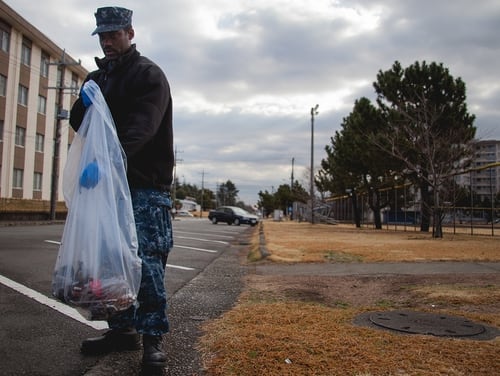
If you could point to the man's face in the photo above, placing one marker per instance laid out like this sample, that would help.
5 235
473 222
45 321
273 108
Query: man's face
116 43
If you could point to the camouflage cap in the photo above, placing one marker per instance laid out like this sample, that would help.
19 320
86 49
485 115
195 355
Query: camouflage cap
112 19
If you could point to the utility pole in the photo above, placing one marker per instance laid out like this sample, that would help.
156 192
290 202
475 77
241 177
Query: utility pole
202 188
174 177
216 194
314 111
61 115
291 192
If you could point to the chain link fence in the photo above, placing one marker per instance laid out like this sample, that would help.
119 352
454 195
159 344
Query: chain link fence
468 206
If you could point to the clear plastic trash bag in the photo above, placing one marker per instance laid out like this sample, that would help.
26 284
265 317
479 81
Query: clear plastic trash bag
97 270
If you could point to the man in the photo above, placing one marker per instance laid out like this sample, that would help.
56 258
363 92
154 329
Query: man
138 95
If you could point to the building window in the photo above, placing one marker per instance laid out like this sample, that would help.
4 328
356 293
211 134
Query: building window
20 136
26 52
18 178
4 40
39 142
42 104
44 65
59 75
74 84
37 181
3 85
22 97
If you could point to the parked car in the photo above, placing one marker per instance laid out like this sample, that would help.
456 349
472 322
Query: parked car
183 213
232 215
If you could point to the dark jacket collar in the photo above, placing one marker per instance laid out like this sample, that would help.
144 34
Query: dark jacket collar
110 65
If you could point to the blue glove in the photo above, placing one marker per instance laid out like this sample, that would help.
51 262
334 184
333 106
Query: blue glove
90 176
85 99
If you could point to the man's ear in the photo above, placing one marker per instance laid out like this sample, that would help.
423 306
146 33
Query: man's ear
131 33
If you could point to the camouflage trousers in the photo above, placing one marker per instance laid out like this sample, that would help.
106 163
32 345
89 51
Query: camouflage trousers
154 233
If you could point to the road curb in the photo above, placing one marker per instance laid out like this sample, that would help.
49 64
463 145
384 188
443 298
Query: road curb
264 253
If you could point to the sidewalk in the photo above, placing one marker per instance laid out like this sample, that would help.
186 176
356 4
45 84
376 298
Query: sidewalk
378 268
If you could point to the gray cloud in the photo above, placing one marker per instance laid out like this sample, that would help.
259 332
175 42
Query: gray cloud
245 73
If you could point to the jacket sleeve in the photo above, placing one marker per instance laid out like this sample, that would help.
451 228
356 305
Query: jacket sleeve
149 106
76 115
78 110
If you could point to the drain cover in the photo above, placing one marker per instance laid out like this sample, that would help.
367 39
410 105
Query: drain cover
426 323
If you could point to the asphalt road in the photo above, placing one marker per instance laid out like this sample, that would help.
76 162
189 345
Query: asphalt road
203 280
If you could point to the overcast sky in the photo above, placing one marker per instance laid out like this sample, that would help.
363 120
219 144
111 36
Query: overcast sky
245 74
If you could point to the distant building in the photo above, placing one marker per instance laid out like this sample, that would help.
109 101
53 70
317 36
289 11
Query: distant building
486 182
30 77
484 177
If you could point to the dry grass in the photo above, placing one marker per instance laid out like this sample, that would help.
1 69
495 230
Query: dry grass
304 325
291 338
303 242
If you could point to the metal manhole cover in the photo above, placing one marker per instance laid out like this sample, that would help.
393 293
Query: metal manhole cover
426 323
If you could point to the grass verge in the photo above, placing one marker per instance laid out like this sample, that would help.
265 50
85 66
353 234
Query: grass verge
304 325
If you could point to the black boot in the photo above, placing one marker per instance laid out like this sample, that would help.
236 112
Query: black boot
112 340
153 352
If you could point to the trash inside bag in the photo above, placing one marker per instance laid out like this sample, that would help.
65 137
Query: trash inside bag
97 270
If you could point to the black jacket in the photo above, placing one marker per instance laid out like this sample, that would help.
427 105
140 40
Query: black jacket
138 95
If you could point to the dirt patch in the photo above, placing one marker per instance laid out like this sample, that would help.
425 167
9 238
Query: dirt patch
466 293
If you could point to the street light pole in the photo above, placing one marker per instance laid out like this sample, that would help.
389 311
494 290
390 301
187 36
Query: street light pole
314 111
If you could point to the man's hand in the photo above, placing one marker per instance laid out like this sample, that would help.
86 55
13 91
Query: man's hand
85 99
90 176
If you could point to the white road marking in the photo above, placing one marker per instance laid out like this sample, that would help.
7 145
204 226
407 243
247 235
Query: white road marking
195 249
178 267
52 242
54 304
201 233
203 240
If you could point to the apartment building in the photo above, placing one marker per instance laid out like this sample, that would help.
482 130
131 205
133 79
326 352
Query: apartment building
483 177
38 84
486 175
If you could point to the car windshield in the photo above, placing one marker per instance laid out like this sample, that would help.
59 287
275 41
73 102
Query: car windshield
240 211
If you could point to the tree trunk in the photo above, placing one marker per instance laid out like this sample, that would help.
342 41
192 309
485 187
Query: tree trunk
357 217
425 207
378 219
437 226
437 223
374 202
